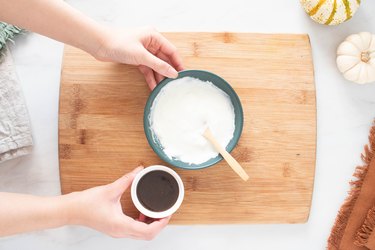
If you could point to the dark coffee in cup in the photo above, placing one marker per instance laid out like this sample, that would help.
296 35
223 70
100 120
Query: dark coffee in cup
157 191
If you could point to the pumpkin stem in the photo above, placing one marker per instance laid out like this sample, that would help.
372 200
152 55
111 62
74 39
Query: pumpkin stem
365 56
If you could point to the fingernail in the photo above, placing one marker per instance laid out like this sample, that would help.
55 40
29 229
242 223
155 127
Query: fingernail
138 169
172 73
168 217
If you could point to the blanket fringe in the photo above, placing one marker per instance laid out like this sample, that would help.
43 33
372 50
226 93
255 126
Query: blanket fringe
342 218
367 228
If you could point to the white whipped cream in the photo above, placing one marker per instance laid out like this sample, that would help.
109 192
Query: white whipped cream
181 112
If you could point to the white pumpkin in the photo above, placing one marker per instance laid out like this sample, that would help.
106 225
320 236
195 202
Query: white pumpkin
330 12
356 57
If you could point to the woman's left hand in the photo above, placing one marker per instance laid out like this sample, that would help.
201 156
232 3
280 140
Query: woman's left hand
146 48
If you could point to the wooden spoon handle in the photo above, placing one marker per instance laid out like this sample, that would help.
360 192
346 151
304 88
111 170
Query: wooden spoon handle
230 160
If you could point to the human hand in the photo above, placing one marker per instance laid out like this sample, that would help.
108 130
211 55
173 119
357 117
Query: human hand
146 48
100 209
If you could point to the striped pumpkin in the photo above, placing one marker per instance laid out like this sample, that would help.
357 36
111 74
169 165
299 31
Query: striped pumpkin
330 12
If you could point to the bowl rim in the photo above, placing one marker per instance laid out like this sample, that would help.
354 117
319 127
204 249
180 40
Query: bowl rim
149 134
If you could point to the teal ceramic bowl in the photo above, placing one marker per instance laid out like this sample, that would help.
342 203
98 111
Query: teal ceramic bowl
204 76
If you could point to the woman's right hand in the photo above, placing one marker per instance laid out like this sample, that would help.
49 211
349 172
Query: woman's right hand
100 209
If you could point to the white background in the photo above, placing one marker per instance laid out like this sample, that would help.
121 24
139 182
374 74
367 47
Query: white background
345 113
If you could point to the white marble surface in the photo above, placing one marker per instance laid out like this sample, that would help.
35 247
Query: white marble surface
345 113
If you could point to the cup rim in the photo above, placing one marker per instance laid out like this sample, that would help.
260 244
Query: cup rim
147 212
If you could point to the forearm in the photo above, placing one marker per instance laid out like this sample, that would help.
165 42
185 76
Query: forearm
98 207
55 19
23 213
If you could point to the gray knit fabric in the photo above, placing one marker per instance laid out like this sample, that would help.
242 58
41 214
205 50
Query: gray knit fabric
15 132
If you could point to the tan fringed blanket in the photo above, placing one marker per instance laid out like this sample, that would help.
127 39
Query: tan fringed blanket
354 225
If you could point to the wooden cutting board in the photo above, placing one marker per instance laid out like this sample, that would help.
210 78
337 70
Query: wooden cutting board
101 127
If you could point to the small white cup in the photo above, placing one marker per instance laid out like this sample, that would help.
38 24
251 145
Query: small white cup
147 212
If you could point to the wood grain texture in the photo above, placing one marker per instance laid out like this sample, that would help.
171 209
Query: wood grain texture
101 127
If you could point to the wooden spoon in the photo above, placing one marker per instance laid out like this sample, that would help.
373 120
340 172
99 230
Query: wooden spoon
230 160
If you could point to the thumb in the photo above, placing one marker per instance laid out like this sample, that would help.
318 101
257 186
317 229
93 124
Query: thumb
121 184
159 65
